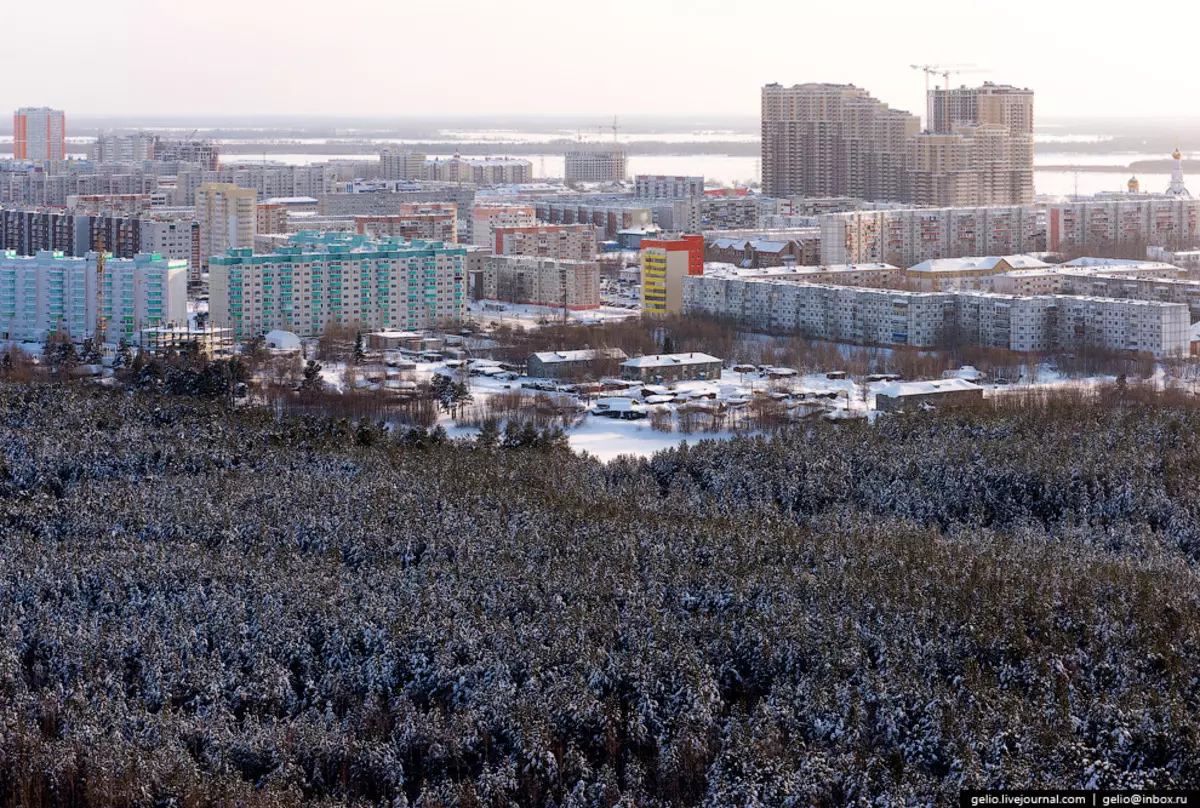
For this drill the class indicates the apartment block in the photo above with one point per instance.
(665, 263)
(907, 236)
(385, 199)
(929, 319)
(660, 186)
(39, 134)
(337, 278)
(136, 147)
(174, 236)
(1130, 225)
(271, 181)
(110, 204)
(595, 163)
(573, 242)
(608, 215)
(401, 164)
(427, 221)
(731, 212)
(501, 171)
(828, 140)
(542, 281)
(50, 293)
(485, 219)
(228, 217)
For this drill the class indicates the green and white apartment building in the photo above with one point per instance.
(50, 293)
(324, 279)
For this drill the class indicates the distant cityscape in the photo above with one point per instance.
(861, 212)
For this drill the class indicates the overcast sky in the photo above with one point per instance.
(399, 57)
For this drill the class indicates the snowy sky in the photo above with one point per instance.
(397, 57)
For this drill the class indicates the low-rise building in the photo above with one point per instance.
(920, 395)
(662, 368)
(967, 273)
(574, 364)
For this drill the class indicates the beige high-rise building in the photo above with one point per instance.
(821, 140)
(228, 217)
(978, 149)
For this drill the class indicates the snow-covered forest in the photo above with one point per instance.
(202, 605)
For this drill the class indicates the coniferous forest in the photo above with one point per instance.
(208, 605)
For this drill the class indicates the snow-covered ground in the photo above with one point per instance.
(483, 311)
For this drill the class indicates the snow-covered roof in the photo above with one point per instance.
(901, 389)
(395, 334)
(619, 404)
(587, 355)
(987, 262)
(669, 360)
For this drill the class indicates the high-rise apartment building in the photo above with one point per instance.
(228, 218)
(338, 279)
(824, 140)
(978, 149)
(50, 293)
(1002, 105)
(401, 164)
(136, 147)
(595, 163)
(39, 134)
(665, 263)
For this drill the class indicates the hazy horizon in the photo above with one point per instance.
(366, 58)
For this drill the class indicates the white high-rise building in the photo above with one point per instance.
(50, 293)
(39, 134)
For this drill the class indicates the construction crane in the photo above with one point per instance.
(939, 70)
(946, 74)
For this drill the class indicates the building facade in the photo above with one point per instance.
(572, 285)
(228, 218)
(427, 221)
(401, 164)
(1124, 224)
(829, 140)
(870, 316)
(501, 171)
(39, 134)
(571, 242)
(597, 163)
(338, 279)
(50, 293)
(486, 218)
(660, 186)
(907, 236)
(665, 263)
